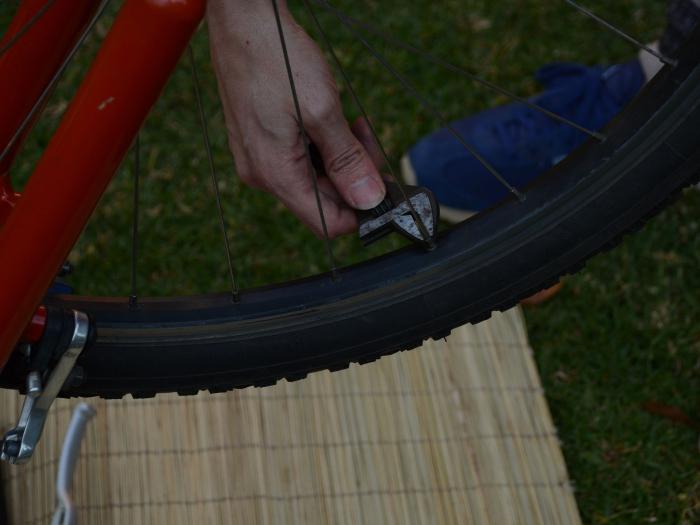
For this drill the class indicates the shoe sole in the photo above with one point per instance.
(452, 215)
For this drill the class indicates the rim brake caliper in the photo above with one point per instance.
(74, 332)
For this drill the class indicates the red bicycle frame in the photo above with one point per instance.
(135, 60)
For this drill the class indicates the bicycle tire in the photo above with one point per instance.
(581, 207)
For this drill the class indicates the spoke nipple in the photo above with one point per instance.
(430, 244)
(668, 61)
(521, 196)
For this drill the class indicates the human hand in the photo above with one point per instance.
(264, 135)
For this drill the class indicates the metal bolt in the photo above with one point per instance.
(34, 387)
(10, 448)
(66, 269)
(25, 349)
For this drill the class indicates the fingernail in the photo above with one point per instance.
(366, 193)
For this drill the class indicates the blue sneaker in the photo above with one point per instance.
(519, 141)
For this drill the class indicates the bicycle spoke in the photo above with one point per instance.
(430, 107)
(621, 33)
(416, 218)
(49, 87)
(430, 57)
(133, 298)
(305, 138)
(27, 26)
(235, 291)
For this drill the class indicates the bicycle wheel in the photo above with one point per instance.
(579, 208)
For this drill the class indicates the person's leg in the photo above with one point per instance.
(521, 142)
(682, 17)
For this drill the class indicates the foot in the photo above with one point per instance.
(519, 141)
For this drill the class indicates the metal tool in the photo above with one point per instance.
(411, 211)
(416, 220)
(20, 443)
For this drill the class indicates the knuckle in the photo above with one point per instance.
(325, 109)
(347, 163)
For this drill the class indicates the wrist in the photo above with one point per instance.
(240, 19)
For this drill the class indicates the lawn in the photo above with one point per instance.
(618, 349)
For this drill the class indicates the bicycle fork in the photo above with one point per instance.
(134, 62)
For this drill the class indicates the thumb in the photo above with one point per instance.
(349, 166)
(362, 130)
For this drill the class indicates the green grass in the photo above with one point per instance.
(622, 333)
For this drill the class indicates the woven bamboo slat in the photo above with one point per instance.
(457, 432)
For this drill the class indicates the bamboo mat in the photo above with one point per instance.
(457, 432)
